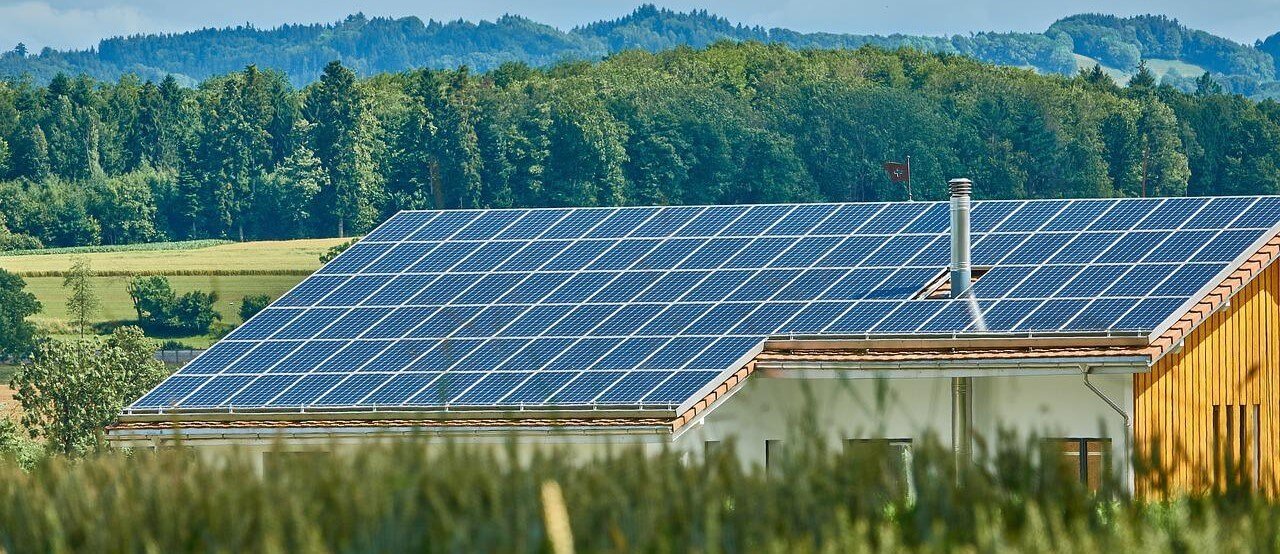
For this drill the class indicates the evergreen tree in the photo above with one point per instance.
(286, 196)
(1143, 79)
(1096, 78)
(1206, 85)
(342, 138)
(1165, 171)
(31, 157)
(416, 183)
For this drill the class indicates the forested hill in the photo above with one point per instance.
(246, 155)
(372, 45)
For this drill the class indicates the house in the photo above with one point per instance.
(1107, 325)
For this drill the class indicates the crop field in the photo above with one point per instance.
(293, 257)
(231, 270)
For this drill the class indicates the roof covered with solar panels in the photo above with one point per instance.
(651, 307)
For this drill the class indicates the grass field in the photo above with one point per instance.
(1158, 67)
(1163, 67)
(293, 256)
(118, 308)
(424, 496)
(231, 270)
(1085, 62)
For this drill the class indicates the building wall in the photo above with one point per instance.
(772, 408)
(766, 409)
(1230, 360)
(259, 446)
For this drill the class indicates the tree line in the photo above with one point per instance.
(371, 45)
(247, 156)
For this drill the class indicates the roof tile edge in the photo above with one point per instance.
(1215, 299)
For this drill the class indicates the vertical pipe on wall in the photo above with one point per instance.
(961, 278)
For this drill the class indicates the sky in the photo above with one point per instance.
(65, 24)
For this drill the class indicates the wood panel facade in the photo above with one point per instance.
(1209, 412)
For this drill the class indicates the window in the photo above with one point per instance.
(893, 454)
(772, 456)
(710, 449)
(1083, 457)
(940, 286)
(1237, 449)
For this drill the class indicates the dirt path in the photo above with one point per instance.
(7, 403)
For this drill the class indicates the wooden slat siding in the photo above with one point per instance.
(1230, 359)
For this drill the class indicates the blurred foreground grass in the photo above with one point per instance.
(434, 497)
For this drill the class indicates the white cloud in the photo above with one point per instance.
(39, 24)
(82, 23)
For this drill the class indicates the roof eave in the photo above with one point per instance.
(177, 432)
(426, 415)
(950, 367)
(943, 342)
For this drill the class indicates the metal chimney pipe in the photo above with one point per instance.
(961, 269)
(961, 276)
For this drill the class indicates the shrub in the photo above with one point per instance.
(17, 335)
(251, 304)
(193, 312)
(75, 388)
(34, 247)
(160, 310)
(18, 241)
(175, 345)
(15, 445)
(152, 297)
(334, 250)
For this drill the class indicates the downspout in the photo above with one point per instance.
(1124, 416)
(961, 276)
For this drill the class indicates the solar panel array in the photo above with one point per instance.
(644, 307)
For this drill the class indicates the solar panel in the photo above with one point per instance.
(643, 307)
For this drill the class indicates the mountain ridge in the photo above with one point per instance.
(382, 44)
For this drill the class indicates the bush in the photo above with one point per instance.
(17, 241)
(334, 250)
(16, 446)
(176, 345)
(17, 335)
(75, 388)
(160, 310)
(36, 248)
(252, 304)
(193, 312)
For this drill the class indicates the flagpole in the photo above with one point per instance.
(909, 179)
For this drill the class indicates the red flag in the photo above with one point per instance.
(898, 172)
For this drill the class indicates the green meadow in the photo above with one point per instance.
(232, 270)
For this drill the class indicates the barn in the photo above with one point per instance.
(1108, 326)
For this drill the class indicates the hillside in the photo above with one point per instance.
(372, 45)
(246, 156)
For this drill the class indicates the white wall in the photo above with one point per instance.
(1048, 406)
(770, 409)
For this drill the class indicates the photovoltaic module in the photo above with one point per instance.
(645, 307)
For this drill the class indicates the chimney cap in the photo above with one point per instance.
(961, 186)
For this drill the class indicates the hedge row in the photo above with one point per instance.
(178, 245)
(176, 273)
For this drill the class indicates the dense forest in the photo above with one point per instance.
(384, 45)
(246, 155)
